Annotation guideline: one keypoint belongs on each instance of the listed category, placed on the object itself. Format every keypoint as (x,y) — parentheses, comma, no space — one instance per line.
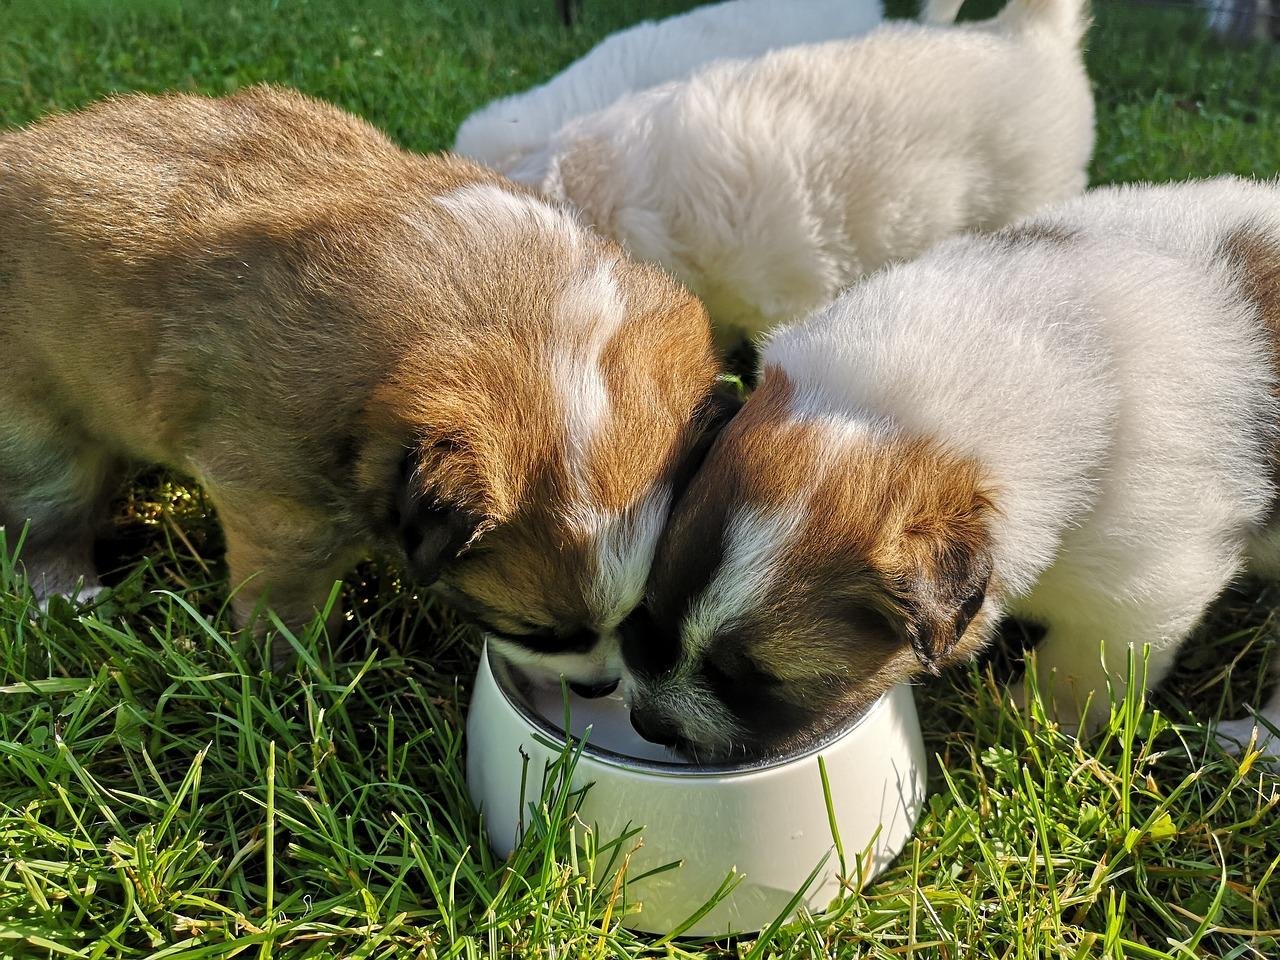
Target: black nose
(656,730)
(593,691)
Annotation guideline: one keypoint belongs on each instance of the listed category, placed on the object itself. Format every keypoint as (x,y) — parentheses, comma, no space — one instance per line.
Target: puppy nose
(656,730)
(592,691)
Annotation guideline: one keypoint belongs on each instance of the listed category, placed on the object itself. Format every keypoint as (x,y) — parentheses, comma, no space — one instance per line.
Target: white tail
(940,12)
(1064,18)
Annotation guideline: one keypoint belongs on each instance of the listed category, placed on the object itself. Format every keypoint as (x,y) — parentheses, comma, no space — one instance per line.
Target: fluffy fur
(768,185)
(352,348)
(1073,420)
(506,131)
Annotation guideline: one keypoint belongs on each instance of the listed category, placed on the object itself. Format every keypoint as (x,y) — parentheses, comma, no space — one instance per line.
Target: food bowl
(766,823)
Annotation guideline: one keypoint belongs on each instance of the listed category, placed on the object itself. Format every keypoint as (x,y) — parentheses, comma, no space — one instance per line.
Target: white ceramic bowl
(767,821)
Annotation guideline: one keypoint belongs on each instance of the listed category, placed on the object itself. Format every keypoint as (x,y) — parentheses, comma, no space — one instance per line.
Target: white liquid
(608,718)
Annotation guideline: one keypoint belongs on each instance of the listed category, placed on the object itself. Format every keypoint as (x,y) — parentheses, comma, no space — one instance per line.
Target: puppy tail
(1065,19)
(940,13)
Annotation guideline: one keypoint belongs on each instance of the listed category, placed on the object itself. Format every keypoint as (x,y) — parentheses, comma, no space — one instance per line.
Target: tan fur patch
(1255,255)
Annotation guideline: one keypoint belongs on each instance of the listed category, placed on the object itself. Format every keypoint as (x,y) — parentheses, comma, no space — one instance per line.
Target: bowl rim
(668,768)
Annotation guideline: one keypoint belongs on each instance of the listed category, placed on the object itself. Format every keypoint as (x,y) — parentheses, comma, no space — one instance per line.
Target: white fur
(1117,389)
(755,544)
(591,312)
(487,209)
(647,54)
(768,185)
(623,544)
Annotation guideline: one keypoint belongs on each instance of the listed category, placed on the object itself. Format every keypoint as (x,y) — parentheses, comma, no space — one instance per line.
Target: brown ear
(934,558)
(942,600)
(712,416)
(432,528)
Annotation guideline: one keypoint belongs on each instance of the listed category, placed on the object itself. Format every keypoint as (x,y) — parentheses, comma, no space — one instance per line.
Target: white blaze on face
(756,541)
(590,313)
(622,541)
(755,545)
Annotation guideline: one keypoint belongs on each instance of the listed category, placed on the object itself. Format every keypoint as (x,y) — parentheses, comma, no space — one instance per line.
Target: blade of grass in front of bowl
(557,780)
(727,886)
(771,931)
(614,847)
(831,814)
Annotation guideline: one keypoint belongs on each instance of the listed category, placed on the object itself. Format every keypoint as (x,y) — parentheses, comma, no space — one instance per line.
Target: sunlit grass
(162,793)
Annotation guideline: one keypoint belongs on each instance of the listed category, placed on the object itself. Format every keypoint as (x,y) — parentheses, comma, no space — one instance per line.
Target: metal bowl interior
(515,692)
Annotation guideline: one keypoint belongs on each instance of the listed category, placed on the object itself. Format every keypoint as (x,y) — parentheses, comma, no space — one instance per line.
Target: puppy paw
(1235,735)
(75,582)
(80,594)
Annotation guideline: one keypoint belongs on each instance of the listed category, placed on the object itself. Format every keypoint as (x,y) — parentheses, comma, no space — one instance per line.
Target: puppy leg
(1234,735)
(59,484)
(281,556)
(1083,663)
(1100,617)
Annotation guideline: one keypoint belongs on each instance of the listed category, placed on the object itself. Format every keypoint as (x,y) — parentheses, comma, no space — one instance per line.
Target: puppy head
(546,444)
(811,565)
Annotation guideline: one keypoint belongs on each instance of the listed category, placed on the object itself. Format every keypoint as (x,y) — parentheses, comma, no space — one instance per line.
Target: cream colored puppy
(352,348)
(768,185)
(1074,420)
(506,131)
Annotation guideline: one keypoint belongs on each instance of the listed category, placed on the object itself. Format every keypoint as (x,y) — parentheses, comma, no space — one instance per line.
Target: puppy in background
(352,348)
(506,131)
(1073,420)
(769,185)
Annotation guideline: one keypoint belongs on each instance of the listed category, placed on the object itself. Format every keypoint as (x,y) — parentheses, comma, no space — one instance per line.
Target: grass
(163,794)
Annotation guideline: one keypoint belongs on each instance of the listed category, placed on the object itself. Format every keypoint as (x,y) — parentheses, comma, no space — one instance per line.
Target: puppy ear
(432,531)
(712,416)
(943,599)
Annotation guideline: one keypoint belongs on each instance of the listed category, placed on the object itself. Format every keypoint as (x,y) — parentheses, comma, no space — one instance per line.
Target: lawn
(163,794)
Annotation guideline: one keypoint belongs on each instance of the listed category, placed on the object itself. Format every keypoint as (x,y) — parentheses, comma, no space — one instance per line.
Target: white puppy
(647,54)
(1073,420)
(768,185)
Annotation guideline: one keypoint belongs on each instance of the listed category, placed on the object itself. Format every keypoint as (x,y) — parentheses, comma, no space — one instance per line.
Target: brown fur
(259,290)
(1255,256)
(894,534)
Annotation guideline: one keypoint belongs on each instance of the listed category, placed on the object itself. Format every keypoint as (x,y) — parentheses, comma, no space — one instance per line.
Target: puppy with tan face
(352,348)
(1073,420)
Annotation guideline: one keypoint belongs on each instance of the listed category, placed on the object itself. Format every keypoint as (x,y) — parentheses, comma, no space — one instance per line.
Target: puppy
(352,348)
(1073,420)
(769,185)
(1244,21)
(506,131)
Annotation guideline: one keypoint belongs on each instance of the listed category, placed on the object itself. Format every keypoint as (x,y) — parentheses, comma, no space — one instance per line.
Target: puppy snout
(593,691)
(656,729)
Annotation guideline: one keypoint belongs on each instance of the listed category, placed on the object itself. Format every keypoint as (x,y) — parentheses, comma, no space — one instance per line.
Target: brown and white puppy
(352,348)
(1074,420)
